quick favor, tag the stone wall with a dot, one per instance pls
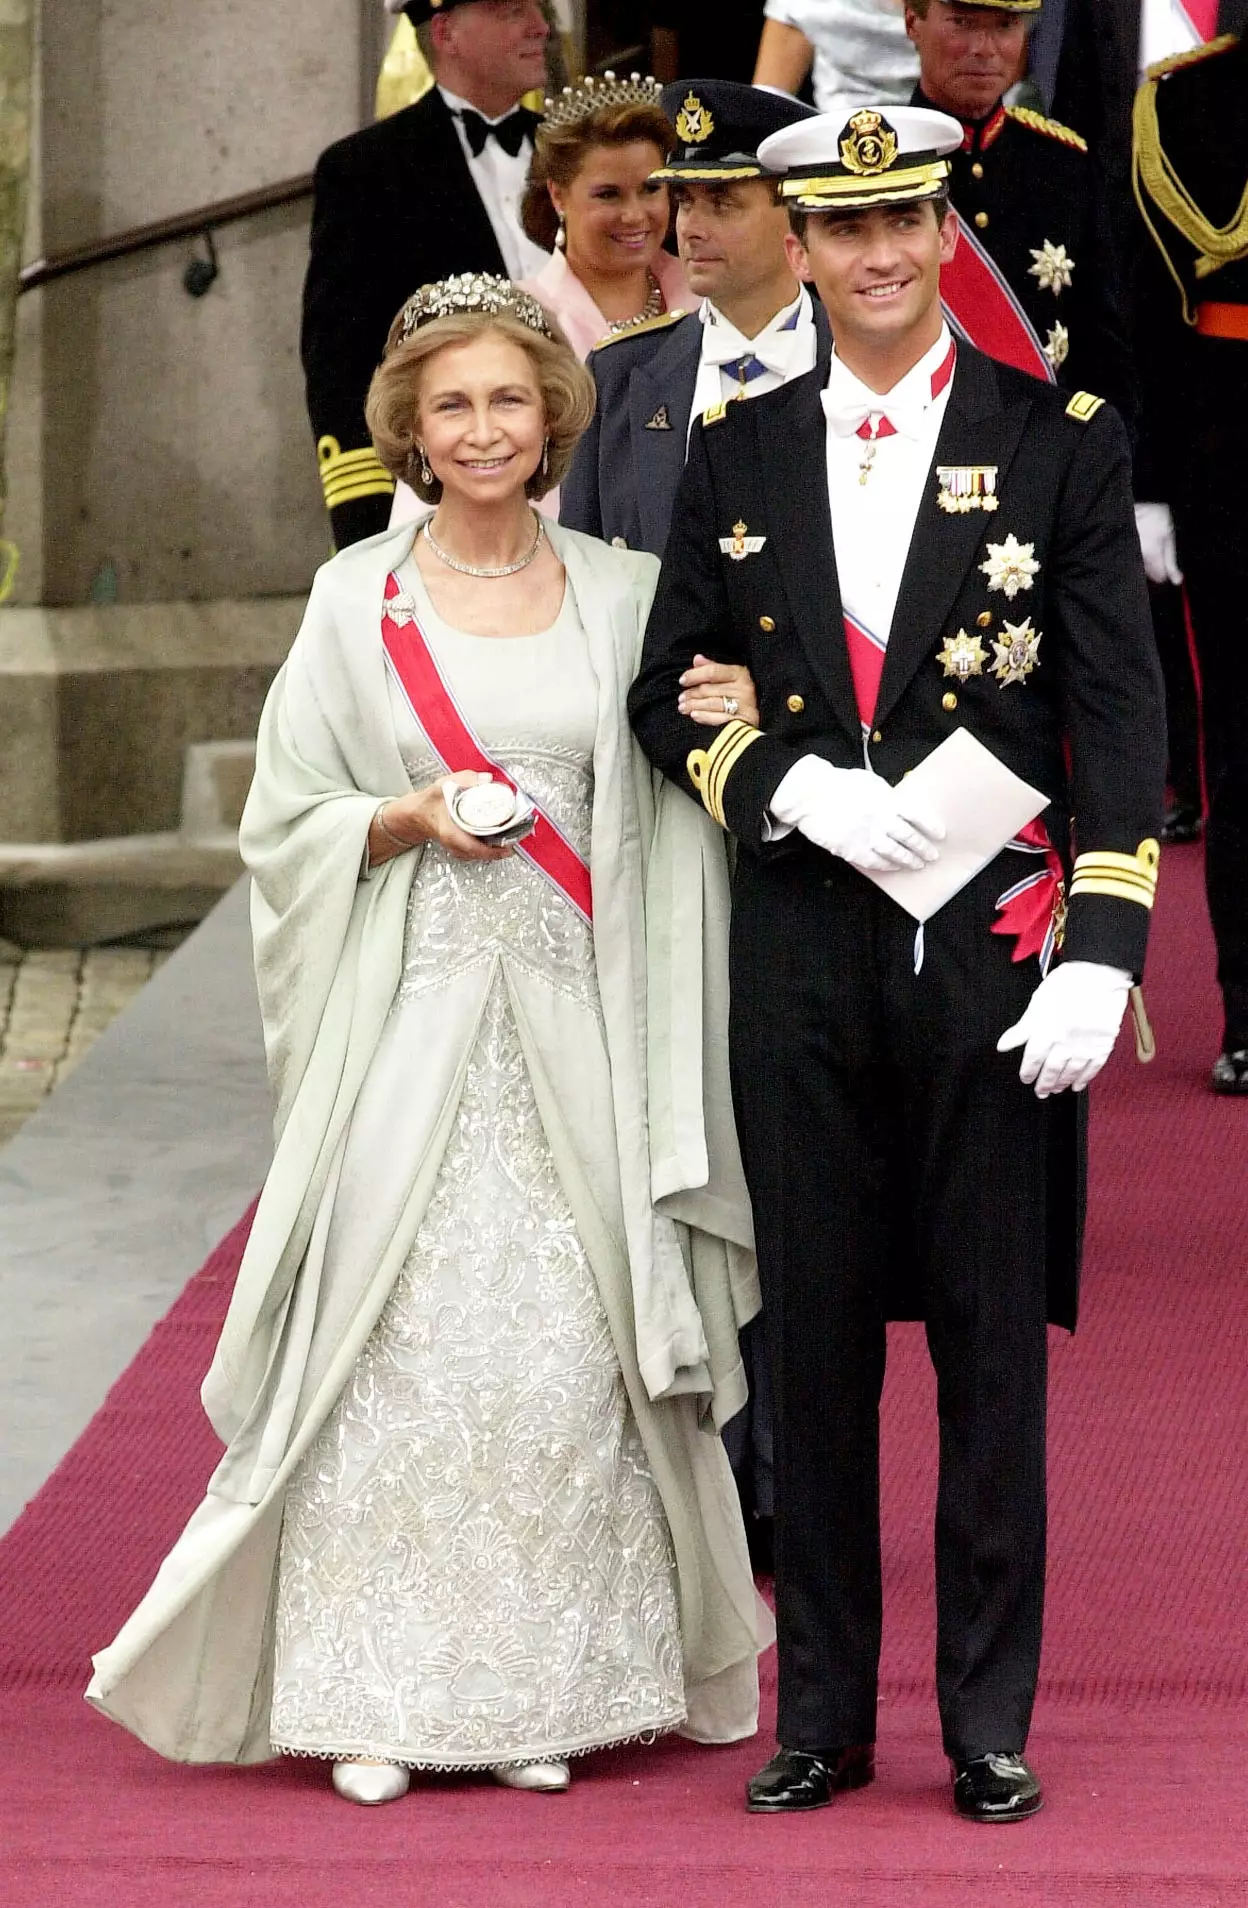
(160, 448)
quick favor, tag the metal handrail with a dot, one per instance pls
(141, 238)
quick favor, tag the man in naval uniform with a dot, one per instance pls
(1191, 176)
(1035, 282)
(755, 328)
(912, 540)
(433, 190)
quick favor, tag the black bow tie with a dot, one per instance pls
(510, 133)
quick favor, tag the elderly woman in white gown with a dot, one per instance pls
(473, 1513)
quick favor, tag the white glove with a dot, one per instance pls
(856, 814)
(1069, 1026)
(1154, 526)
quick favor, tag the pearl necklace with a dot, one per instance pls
(475, 569)
(651, 309)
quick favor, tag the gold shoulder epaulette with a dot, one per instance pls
(1158, 70)
(715, 413)
(1083, 407)
(348, 475)
(1052, 128)
(640, 325)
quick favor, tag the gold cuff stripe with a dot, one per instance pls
(1120, 877)
(1115, 889)
(346, 475)
(336, 494)
(709, 769)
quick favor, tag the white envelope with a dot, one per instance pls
(983, 805)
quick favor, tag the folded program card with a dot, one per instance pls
(983, 805)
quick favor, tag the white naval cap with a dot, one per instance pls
(880, 155)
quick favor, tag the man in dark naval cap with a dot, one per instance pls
(756, 326)
(432, 191)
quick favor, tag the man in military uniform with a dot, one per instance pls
(1035, 283)
(912, 540)
(1191, 173)
(756, 327)
(431, 191)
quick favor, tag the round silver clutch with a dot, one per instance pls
(491, 809)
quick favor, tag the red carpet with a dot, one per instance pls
(1140, 1730)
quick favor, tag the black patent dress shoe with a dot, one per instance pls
(1182, 823)
(1230, 1072)
(797, 1779)
(996, 1788)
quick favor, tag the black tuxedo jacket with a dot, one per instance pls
(628, 466)
(395, 208)
(1086, 726)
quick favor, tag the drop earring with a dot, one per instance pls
(545, 457)
(561, 236)
(426, 475)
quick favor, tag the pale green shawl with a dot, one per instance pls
(190, 1671)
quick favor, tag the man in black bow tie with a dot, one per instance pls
(431, 191)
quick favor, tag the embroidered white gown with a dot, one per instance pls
(475, 1564)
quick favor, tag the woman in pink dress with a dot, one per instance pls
(591, 202)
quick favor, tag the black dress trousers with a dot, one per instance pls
(885, 1137)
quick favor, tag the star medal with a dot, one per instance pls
(740, 545)
(1053, 267)
(1016, 653)
(963, 656)
(1010, 566)
(1057, 346)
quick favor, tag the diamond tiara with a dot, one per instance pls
(471, 291)
(577, 102)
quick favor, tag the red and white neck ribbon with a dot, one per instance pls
(866, 665)
(1031, 909)
(981, 307)
(429, 696)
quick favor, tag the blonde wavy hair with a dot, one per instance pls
(392, 409)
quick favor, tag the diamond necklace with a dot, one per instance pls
(651, 309)
(475, 569)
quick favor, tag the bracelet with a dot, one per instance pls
(389, 832)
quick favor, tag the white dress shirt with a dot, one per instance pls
(861, 48)
(500, 180)
(1165, 28)
(873, 520)
(787, 345)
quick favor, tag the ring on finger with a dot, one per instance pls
(731, 705)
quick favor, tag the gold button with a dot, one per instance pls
(981, 220)
(949, 700)
(767, 622)
(876, 736)
(984, 618)
(796, 704)
(977, 171)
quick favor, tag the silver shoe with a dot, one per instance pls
(543, 1778)
(371, 1782)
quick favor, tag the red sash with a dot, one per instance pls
(432, 701)
(1034, 909)
(866, 666)
(982, 307)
